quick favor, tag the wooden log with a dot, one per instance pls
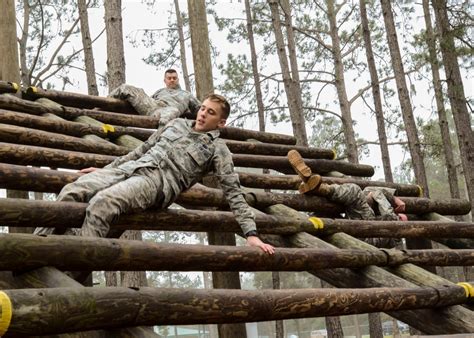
(292, 182)
(27, 136)
(8, 87)
(63, 215)
(321, 166)
(80, 100)
(454, 243)
(10, 102)
(245, 134)
(441, 321)
(34, 179)
(68, 127)
(22, 252)
(60, 310)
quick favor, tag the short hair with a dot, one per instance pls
(170, 70)
(225, 106)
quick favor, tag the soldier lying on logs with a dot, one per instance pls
(155, 173)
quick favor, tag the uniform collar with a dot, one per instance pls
(213, 134)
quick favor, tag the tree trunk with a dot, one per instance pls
(115, 53)
(279, 327)
(374, 79)
(346, 116)
(201, 48)
(457, 98)
(256, 74)
(375, 325)
(87, 43)
(25, 73)
(442, 118)
(291, 88)
(403, 95)
(182, 46)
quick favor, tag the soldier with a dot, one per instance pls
(155, 173)
(166, 103)
(368, 204)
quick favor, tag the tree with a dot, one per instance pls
(290, 77)
(374, 80)
(403, 95)
(115, 55)
(456, 96)
(87, 45)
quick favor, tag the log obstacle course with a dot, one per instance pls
(322, 244)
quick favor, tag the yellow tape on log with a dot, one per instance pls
(333, 154)
(33, 89)
(107, 128)
(468, 288)
(317, 222)
(15, 86)
(5, 313)
(420, 191)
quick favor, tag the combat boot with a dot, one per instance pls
(311, 184)
(297, 162)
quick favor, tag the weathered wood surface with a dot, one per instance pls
(10, 102)
(34, 179)
(8, 87)
(242, 147)
(320, 166)
(453, 243)
(57, 158)
(69, 127)
(292, 182)
(454, 319)
(28, 136)
(60, 310)
(22, 252)
(63, 215)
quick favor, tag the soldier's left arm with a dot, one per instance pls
(194, 104)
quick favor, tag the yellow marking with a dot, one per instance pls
(5, 313)
(420, 190)
(108, 128)
(15, 86)
(468, 288)
(333, 154)
(33, 89)
(317, 222)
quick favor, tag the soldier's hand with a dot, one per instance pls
(87, 170)
(399, 205)
(255, 241)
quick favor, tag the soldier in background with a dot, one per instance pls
(153, 175)
(166, 103)
(369, 204)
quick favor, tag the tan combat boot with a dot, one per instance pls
(297, 162)
(311, 184)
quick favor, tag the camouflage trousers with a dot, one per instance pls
(356, 207)
(145, 105)
(110, 193)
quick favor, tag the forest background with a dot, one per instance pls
(326, 66)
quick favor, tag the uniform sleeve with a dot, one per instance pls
(194, 104)
(229, 181)
(137, 152)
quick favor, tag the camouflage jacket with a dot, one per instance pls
(179, 98)
(184, 157)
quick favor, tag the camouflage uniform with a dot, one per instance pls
(356, 207)
(165, 103)
(154, 174)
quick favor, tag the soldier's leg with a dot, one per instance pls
(137, 192)
(166, 114)
(83, 189)
(354, 201)
(140, 101)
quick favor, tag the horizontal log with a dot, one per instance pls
(454, 319)
(63, 215)
(320, 166)
(69, 128)
(34, 179)
(28, 136)
(10, 102)
(61, 310)
(22, 252)
(8, 87)
(69, 159)
(246, 134)
(80, 100)
(292, 182)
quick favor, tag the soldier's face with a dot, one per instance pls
(209, 117)
(171, 80)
